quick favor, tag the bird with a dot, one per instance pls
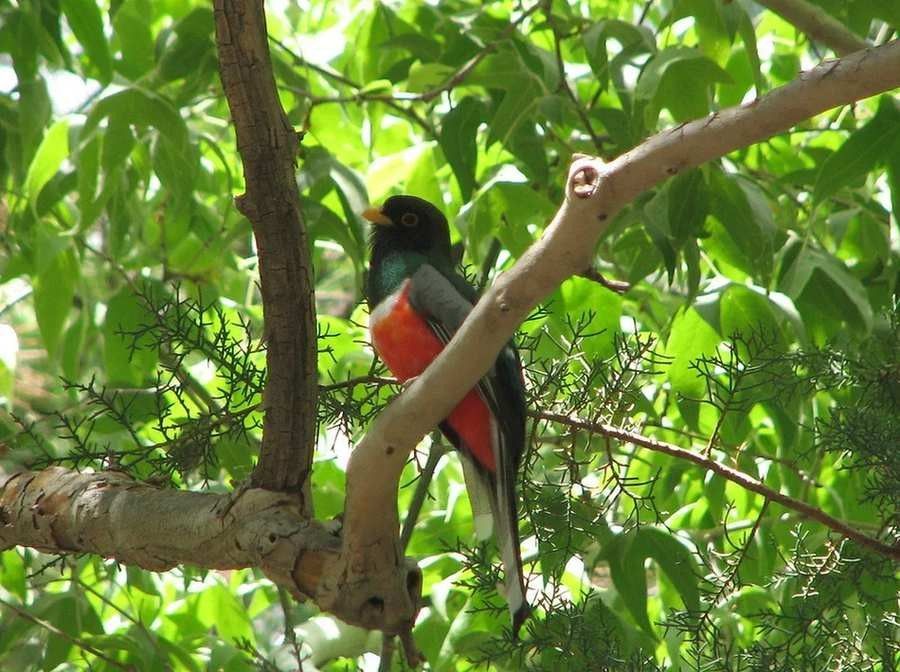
(417, 301)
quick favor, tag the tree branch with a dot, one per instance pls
(818, 24)
(268, 146)
(734, 475)
(595, 192)
(57, 510)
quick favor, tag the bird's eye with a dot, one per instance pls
(409, 219)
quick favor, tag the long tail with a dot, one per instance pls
(494, 509)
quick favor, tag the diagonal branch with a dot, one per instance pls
(595, 193)
(734, 475)
(268, 146)
(818, 24)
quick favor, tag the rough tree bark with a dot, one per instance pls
(363, 578)
(268, 146)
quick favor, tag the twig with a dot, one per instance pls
(388, 646)
(290, 636)
(617, 286)
(744, 480)
(360, 380)
(415, 506)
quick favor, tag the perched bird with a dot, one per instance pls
(417, 301)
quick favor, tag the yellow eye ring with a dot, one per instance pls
(409, 219)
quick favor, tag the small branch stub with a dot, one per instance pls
(584, 178)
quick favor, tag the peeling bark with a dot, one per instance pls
(61, 511)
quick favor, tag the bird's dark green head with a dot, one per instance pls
(409, 224)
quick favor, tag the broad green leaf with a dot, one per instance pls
(656, 223)
(861, 152)
(626, 560)
(34, 114)
(625, 33)
(679, 79)
(52, 151)
(118, 142)
(529, 147)
(745, 215)
(746, 312)
(72, 346)
(140, 107)
(219, 608)
(425, 76)
(457, 138)
(691, 337)
(423, 180)
(132, 28)
(841, 286)
(127, 314)
(86, 22)
(191, 46)
(517, 107)
(688, 201)
(54, 289)
(12, 572)
(748, 35)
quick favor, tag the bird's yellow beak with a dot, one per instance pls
(376, 216)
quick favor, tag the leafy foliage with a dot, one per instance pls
(760, 329)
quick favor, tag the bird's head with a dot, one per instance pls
(409, 223)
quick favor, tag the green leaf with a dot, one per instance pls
(457, 138)
(625, 33)
(861, 152)
(86, 22)
(132, 28)
(142, 108)
(425, 76)
(191, 45)
(745, 215)
(688, 201)
(627, 556)
(72, 346)
(842, 287)
(52, 151)
(679, 79)
(691, 337)
(219, 608)
(54, 289)
(517, 106)
(125, 367)
(741, 310)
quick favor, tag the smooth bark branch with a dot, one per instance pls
(734, 475)
(817, 24)
(369, 566)
(268, 145)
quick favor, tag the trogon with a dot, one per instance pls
(417, 301)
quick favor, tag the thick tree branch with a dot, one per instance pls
(61, 511)
(268, 146)
(818, 24)
(734, 475)
(595, 192)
